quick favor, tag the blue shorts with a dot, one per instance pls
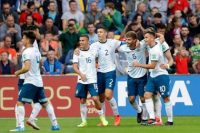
(106, 81)
(136, 86)
(158, 84)
(83, 89)
(20, 84)
(30, 93)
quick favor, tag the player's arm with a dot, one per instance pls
(26, 67)
(170, 60)
(76, 70)
(146, 66)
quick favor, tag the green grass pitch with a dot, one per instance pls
(182, 124)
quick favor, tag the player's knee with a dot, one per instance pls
(166, 99)
(131, 99)
(95, 99)
(147, 95)
(20, 103)
(142, 99)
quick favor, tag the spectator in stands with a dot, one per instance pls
(12, 54)
(31, 11)
(29, 22)
(6, 10)
(178, 14)
(6, 66)
(182, 60)
(11, 28)
(93, 37)
(49, 27)
(161, 5)
(69, 39)
(94, 16)
(137, 28)
(100, 5)
(49, 43)
(187, 40)
(73, 13)
(157, 19)
(130, 6)
(51, 65)
(142, 10)
(196, 67)
(52, 13)
(196, 8)
(182, 5)
(193, 24)
(195, 51)
(178, 43)
(112, 18)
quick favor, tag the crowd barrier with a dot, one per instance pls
(60, 90)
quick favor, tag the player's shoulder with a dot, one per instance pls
(28, 50)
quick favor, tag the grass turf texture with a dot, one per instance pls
(182, 124)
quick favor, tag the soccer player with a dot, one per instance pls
(106, 73)
(32, 89)
(158, 80)
(85, 66)
(137, 77)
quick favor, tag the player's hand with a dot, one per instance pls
(136, 64)
(83, 77)
(17, 73)
(77, 51)
(164, 66)
(161, 37)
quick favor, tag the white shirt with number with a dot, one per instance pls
(33, 76)
(132, 55)
(86, 61)
(106, 54)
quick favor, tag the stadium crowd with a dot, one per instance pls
(58, 25)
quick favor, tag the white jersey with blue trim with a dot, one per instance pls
(33, 76)
(132, 55)
(86, 61)
(106, 54)
(156, 54)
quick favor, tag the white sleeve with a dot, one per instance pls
(154, 55)
(165, 47)
(75, 58)
(26, 55)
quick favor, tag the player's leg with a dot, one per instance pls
(157, 108)
(48, 107)
(93, 89)
(110, 79)
(141, 82)
(26, 94)
(81, 93)
(163, 88)
(132, 93)
(150, 89)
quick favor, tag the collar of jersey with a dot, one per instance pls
(103, 42)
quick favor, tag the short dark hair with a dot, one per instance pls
(30, 35)
(71, 1)
(131, 34)
(30, 3)
(150, 31)
(161, 26)
(85, 35)
(158, 15)
(102, 27)
(7, 36)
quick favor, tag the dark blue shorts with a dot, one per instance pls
(83, 89)
(30, 93)
(136, 86)
(20, 84)
(106, 81)
(158, 84)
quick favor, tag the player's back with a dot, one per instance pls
(33, 76)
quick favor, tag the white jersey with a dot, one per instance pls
(87, 65)
(156, 54)
(106, 54)
(33, 76)
(136, 54)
